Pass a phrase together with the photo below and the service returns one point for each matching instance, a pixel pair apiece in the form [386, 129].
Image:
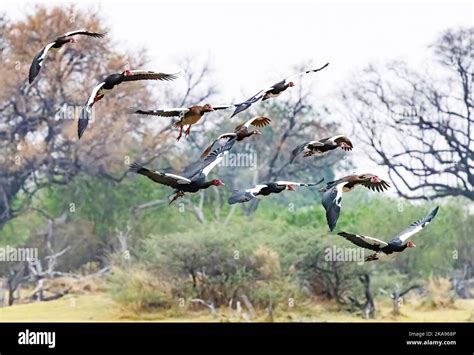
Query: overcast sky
[253, 43]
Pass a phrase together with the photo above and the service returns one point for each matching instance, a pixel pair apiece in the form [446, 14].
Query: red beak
[290, 188]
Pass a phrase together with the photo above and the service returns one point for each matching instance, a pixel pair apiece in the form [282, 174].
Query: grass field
[100, 307]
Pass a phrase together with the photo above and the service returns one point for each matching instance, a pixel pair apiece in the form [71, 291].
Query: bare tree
[419, 124]
[297, 116]
[38, 145]
[368, 307]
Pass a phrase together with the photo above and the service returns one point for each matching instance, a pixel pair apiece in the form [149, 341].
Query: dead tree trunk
[397, 299]
[462, 282]
[368, 307]
[14, 280]
[3, 286]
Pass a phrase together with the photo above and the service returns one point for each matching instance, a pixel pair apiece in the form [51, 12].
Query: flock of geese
[194, 177]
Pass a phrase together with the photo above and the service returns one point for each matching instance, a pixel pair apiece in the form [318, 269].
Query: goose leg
[188, 130]
[98, 97]
[180, 133]
[176, 196]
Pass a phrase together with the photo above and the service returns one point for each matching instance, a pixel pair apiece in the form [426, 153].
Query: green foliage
[269, 256]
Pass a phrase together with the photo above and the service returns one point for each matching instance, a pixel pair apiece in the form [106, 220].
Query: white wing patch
[338, 198]
[225, 134]
[408, 233]
[179, 179]
[216, 161]
[332, 139]
[90, 101]
[282, 182]
[256, 189]
[45, 50]
[74, 32]
[372, 241]
[184, 109]
[417, 226]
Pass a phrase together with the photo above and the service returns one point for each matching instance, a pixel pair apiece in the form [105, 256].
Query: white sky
[253, 43]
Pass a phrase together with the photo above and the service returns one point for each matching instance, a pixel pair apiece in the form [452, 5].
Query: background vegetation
[74, 201]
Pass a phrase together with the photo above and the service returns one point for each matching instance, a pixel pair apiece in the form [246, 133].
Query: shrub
[140, 290]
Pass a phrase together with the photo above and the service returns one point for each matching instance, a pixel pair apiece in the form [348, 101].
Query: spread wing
[416, 226]
[331, 200]
[171, 112]
[240, 196]
[38, 62]
[301, 148]
[289, 78]
[87, 111]
[364, 241]
[343, 142]
[257, 121]
[95, 91]
[247, 103]
[85, 33]
[377, 186]
[212, 160]
[167, 179]
[222, 107]
[307, 184]
[227, 136]
[149, 75]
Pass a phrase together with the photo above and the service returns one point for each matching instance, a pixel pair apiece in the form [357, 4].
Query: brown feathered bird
[240, 132]
[187, 115]
[332, 193]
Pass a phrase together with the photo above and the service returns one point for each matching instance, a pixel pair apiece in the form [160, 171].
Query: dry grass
[100, 307]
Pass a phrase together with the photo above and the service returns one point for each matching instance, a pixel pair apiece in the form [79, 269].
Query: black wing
[38, 62]
[297, 151]
[364, 241]
[167, 179]
[85, 33]
[83, 122]
[211, 160]
[206, 152]
[163, 113]
[377, 186]
[247, 103]
[217, 108]
[240, 196]
[331, 201]
[149, 75]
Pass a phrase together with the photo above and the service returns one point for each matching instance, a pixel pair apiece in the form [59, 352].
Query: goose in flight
[272, 91]
[109, 83]
[332, 193]
[58, 43]
[396, 245]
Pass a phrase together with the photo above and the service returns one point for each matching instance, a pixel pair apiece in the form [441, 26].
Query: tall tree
[420, 124]
[38, 126]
